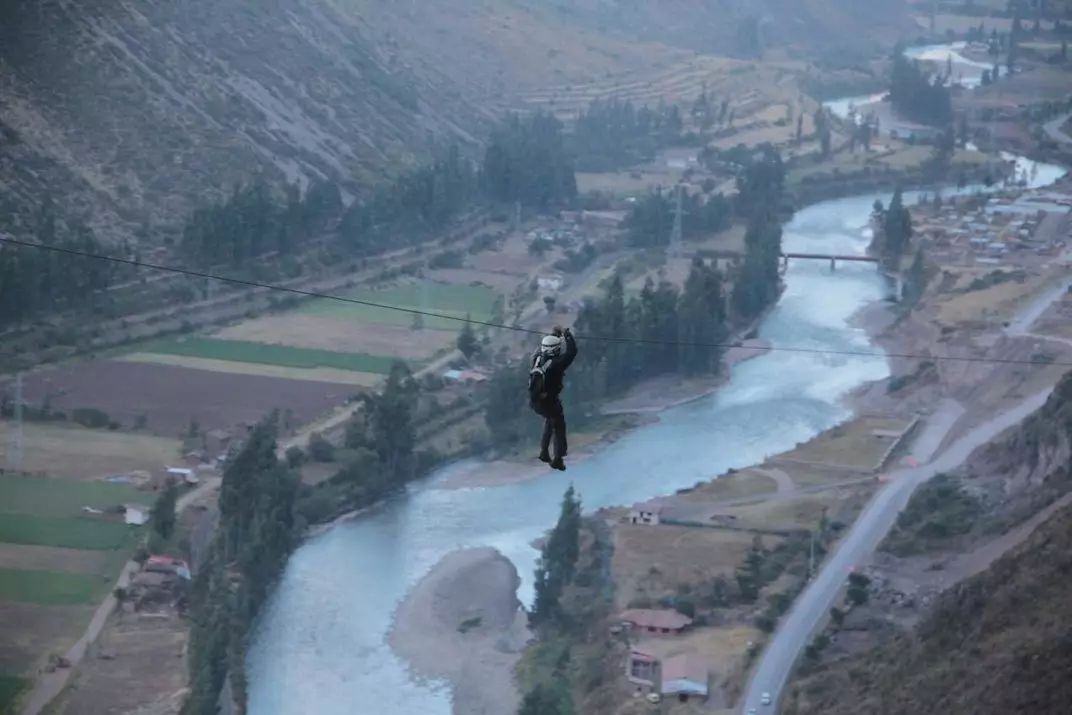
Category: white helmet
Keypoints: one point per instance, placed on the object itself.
(550, 345)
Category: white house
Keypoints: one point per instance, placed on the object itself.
(136, 514)
(647, 513)
(549, 282)
(185, 476)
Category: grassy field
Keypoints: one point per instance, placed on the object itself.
(46, 496)
(55, 563)
(742, 483)
(452, 300)
(74, 452)
(317, 374)
(995, 303)
(650, 563)
(260, 353)
(10, 687)
(852, 445)
(803, 512)
(71, 533)
(47, 588)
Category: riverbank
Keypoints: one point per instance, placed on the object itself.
(639, 408)
(463, 623)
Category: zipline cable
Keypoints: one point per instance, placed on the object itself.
(499, 326)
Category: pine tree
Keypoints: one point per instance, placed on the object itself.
(468, 344)
(162, 515)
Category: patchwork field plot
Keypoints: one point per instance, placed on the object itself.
(46, 588)
(339, 336)
(46, 496)
(317, 374)
(71, 533)
(169, 397)
(454, 300)
(80, 453)
(10, 688)
(56, 560)
(30, 558)
(858, 445)
(270, 354)
(29, 632)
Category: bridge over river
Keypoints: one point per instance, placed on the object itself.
(832, 257)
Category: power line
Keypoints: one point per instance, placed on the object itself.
(500, 326)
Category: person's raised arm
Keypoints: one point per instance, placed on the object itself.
(571, 349)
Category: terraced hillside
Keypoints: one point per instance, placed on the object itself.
(837, 30)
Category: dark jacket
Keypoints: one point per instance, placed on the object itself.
(556, 369)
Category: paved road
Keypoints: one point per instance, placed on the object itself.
(1054, 131)
(1021, 325)
(863, 538)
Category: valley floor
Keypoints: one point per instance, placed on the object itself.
(707, 533)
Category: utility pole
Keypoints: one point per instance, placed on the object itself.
(17, 456)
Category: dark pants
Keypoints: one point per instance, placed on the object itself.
(554, 423)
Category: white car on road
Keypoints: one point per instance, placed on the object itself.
(764, 699)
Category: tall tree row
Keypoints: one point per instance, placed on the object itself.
(526, 161)
(256, 533)
(35, 282)
(918, 95)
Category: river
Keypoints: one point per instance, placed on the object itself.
(320, 648)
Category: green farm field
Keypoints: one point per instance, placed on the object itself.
(10, 687)
(70, 533)
(456, 301)
(267, 354)
(47, 496)
(49, 589)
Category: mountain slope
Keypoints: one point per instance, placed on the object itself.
(998, 643)
(133, 107)
(1001, 641)
(129, 112)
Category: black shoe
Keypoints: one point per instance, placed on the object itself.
(545, 457)
(558, 464)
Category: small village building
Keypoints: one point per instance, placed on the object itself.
(641, 668)
(650, 620)
(167, 565)
(549, 282)
(685, 676)
(135, 514)
(646, 513)
(464, 376)
(183, 475)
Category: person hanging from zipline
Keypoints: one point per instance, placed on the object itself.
(549, 364)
